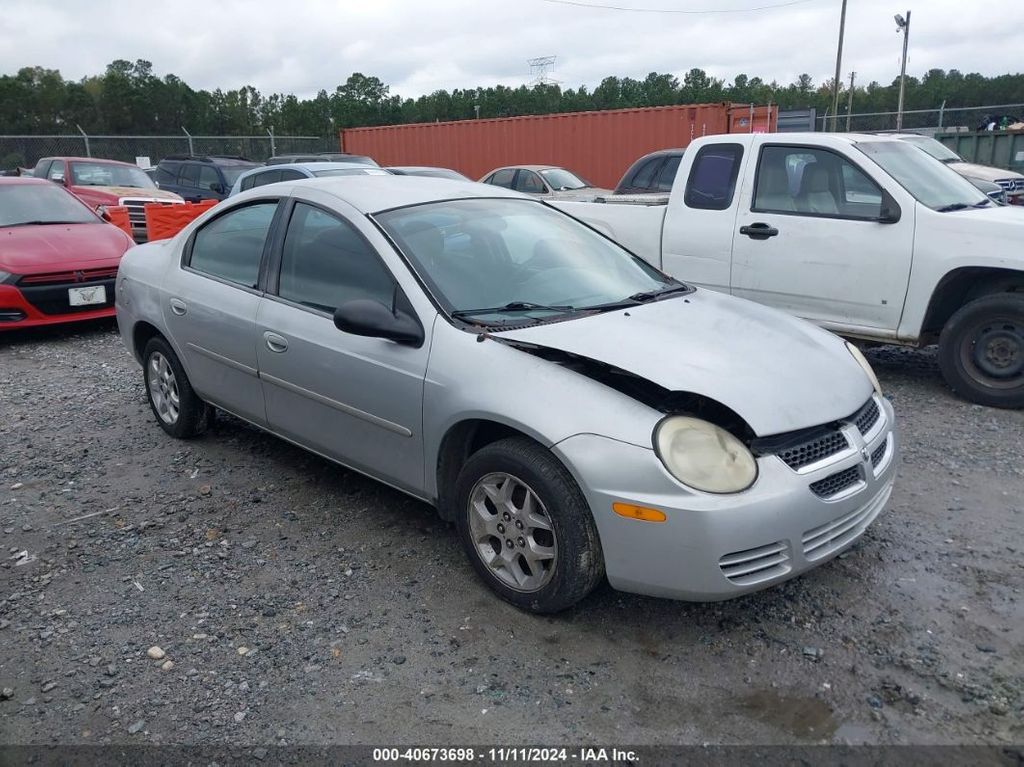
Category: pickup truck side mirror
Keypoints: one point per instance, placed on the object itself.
(890, 212)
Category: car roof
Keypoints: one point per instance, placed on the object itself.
(313, 166)
(88, 159)
(24, 180)
(376, 193)
(529, 167)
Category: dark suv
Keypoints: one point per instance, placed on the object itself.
(652, 173)
(201, 178)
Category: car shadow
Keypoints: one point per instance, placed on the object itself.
(66, 332)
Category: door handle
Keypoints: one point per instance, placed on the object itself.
(759, 231)
(275, 342)
(178, 306)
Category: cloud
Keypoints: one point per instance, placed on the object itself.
(416, 47)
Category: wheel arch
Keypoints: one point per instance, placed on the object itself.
(141, 335)
(461, 440)
(961, 286)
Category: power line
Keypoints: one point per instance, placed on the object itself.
(598, 6)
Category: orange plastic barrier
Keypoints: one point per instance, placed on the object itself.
(164, 221)
(118, 216)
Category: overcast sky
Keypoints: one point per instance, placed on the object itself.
(301, 46)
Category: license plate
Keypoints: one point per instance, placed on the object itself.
(96, 294)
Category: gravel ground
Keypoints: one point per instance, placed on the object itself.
(237, 590)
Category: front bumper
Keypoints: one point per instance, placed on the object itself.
(716, 547)
(48, 305)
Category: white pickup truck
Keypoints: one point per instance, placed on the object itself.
(865, 235)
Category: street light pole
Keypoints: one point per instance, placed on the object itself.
(839, 64)
(902, 25)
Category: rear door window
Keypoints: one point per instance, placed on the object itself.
(644, 177)
(712, 181)
(667, 174)
(231, 246)
(167, 173)
(189, 174)
(503, 178)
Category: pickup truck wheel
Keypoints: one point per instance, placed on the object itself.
(526, 527)
(981, 351)
(178, 410)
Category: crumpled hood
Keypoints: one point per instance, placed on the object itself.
(984, 172)
(779, 373)
(56, 247)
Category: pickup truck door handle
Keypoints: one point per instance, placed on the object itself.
(275, 342)
(759, 231)
(178, 306)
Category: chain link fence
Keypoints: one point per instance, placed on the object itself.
(926, 120)
(25, 151)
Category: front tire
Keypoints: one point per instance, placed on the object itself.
(526, 527)
(981, 351)
(177, 408)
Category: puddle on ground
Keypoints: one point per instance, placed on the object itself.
(803, 717)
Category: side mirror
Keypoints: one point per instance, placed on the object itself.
(57, 178)
(364, 317)
(890, 212)
(217, 188)
(104, 214)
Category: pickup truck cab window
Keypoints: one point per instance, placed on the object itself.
(712, 181)
(231, 246)
(809, 181)
(325, 263)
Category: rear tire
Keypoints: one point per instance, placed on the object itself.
(177, 408)
(526, 527)
(981, 351)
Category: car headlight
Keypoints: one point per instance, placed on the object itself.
(866, 366)
(704, 456)
(4, 276)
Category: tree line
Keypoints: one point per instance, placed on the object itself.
(128, 98)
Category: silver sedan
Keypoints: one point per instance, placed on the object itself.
(575, 412)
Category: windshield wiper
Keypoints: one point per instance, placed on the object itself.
(512, 306)
(41, 223)
(983, 203)
(953, 206)
(651, 295)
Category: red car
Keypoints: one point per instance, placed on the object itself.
(105, 183)
(58, 259)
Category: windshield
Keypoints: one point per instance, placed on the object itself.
(505, 256)
(560, 179)
(109, 174)
(22, 204)
(936, 149)
(930, 182)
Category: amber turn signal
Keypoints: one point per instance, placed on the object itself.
(631, 511)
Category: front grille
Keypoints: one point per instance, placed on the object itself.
(821, 541)
(746, 568)
(867, 416)
(53, 299)
(876, 457)
(836, 483)
(1012, 184)
(60, 278)
(814, 450)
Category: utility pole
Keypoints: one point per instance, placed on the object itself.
(849, 103)
(902, 25)
(839, 65)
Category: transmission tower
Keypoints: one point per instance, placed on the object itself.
(540, 68)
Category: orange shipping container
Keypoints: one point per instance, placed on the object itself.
(600, 146)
